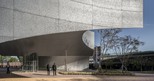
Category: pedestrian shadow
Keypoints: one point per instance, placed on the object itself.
(41, 74)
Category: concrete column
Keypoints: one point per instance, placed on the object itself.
(65, 60)
(24, 62)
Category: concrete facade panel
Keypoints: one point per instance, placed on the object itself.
(111, 4)
(83, 1)
(106, 17)
(24, 25)
(99, 27)
(66, 26)
(132, 5)
(81, 26)
(47, 8)
(132, 19)
(35, 25)
(6, 3)
(6, 22)
(76, 12)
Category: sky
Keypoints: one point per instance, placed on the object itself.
(145, 34)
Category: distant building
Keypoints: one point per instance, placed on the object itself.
(136, 62)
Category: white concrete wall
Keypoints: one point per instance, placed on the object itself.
(26, 18)
(78, 65)
(74, 63)
(88, 39)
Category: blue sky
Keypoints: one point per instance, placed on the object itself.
(145, 34)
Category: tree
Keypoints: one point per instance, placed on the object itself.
(20, 58)
(4, 58)
(108, 63)
(13, 59)
(1, 58)
(124, 47)
(107, 37)
(151, 63)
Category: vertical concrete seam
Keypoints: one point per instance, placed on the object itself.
(58, 28)
(92, 15)
(13, 22)
(121, 13)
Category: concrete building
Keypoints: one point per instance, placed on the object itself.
(61, 48)
(57, 26)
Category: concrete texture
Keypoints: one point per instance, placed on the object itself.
(26, 18)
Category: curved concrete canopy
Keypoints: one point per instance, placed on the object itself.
(27, 18)
(49, 45)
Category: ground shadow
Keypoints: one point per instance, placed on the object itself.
(11, 75)
(3, 74)
(41, 74)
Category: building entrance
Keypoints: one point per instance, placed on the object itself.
(31, 62)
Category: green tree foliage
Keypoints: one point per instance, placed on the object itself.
(1, 58)
(8, 58)
(13, 59)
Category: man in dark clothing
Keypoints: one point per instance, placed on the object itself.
(8, 68)
(48, 69)
(54, 68)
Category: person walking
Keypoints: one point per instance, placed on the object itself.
(54, 68)
(48, 69)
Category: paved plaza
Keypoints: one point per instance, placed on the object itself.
(42, 76)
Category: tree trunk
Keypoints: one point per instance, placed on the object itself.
(122, 67)
(99, 69)
(105, 68)
(141, 68)
(110, 67)
(125, 67)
